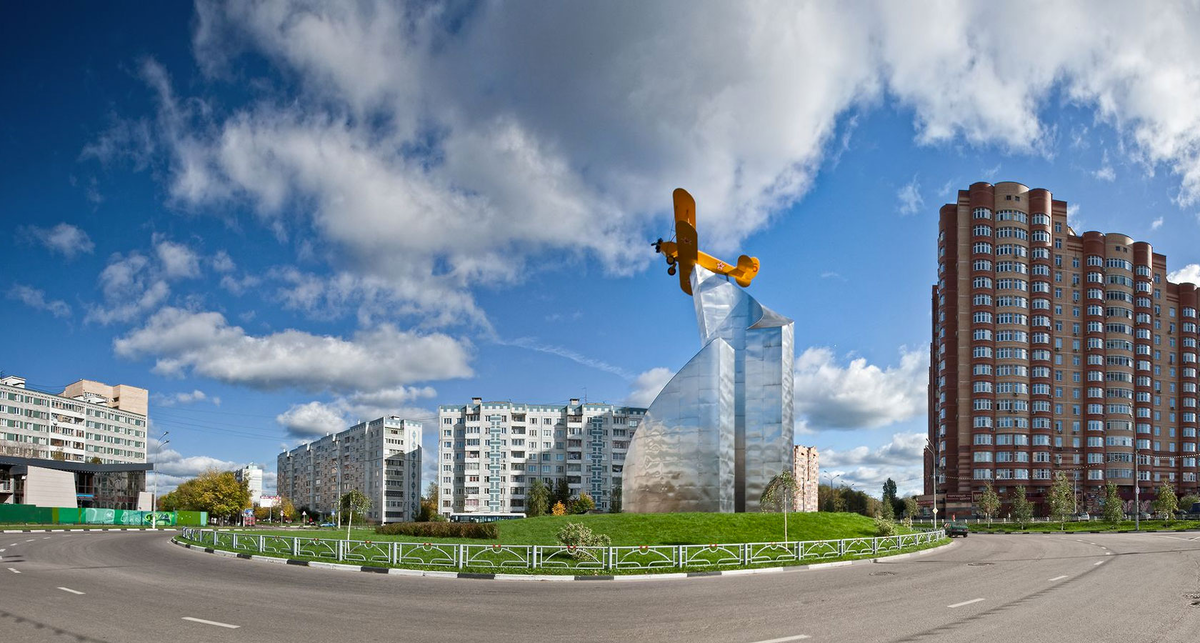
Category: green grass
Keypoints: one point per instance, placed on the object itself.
(1128, 525)
(647, 529)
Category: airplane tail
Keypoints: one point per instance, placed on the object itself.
(747, 269)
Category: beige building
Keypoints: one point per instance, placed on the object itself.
(806, 471)
(87, 420)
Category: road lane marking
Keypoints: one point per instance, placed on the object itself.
(973, 600)
(1108, 553)
(234, 627)
(1057, 578)
(798, 637)
(73, 591)
(31, 540)
(1099, 562)
(13, 570)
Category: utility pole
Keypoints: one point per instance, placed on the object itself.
(153, 467)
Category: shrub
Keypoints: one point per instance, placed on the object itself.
(583, 504)
(884, 527)
(559, 509)
(574, 534)
(483, 530)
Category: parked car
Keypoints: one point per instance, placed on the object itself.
(328, 524)
(956, 528)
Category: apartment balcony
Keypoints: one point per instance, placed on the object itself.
(6, 486)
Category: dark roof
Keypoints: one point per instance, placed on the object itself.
(84, 467)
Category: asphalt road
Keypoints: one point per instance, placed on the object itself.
(137, 587)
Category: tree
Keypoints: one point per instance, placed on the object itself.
(559, 509)
(562, 492)
(219, 493)
(95, 460)
(614, 504)
(1061, 499)
(58, 455)
(429, 504)
(910, 510)
(583, 503)
(777, 496)
(1165, 501)
(887, 510)
(1022, 509)
(989, 502)
(1114, 511)
(890, 497)
(285, 509)
(353, 502)
(537, 499)
(1186, 502)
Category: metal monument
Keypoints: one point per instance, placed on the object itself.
(722, 427)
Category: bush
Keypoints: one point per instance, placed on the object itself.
(574, 534)
(482, 530)
(884, 527)
(583, 504)
(559, 509)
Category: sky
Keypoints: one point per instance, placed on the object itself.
(285, 217)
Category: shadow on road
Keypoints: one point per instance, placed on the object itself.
(83, 638)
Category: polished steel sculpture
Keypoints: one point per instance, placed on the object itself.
(722, 427)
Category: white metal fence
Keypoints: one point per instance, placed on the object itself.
(498, 557)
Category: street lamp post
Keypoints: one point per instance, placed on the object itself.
(832, 493)
(153, 465)
(1137, 491)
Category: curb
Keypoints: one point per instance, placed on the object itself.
(396, 571)
(1082, 531)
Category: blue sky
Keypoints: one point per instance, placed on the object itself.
(281, 219)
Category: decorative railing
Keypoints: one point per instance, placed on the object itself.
(501, 558)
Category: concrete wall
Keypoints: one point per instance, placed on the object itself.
(50, 488)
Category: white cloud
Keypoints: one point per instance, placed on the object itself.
(204, 343)
(859, 395)
(173, 468)
(1106, 172)
(222, 262)
(533, 344)
(64, 238)
(312, 419)
(1156, 224)
(1189, 273)
(647, 385)
(36, 299)
(131, 286)
(909, 196)
(1073, 220)
(184, 397)
(178, 261)
(901, 459)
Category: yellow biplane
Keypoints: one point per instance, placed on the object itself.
(684, 254)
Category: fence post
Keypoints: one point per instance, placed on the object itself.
(261, 543)
(341, 549)
(295, 545)
(745, 553)
(462, 556)
(392, 552)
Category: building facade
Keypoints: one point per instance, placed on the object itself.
(252, 475)
(381, 458)
(78, 425)
(806, 471)
(1055, 352)
(489, 452)
(55, 483)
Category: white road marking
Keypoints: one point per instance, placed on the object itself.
(14, 544)
(13, 570)
(31, 540)
(797, 637)
(1099, 562)
(68, 589)
(973, 600)
(1108, 553)
(1057, 578)
(234, 627)
(46, 538)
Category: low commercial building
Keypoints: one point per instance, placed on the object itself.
(806, 471)
(88, 421)
(489, 452)
(380, 458)
(55, 483)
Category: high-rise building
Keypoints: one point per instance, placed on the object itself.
(1052, 352)
(488, 452)
(86, 421)
(252, 475)
(381, 458)
(806, 471)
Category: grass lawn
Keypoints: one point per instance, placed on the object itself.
(1095, 525)
(648, 529)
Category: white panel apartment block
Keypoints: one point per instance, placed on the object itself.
(488, 452)
(34, 424)
(381, 458)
